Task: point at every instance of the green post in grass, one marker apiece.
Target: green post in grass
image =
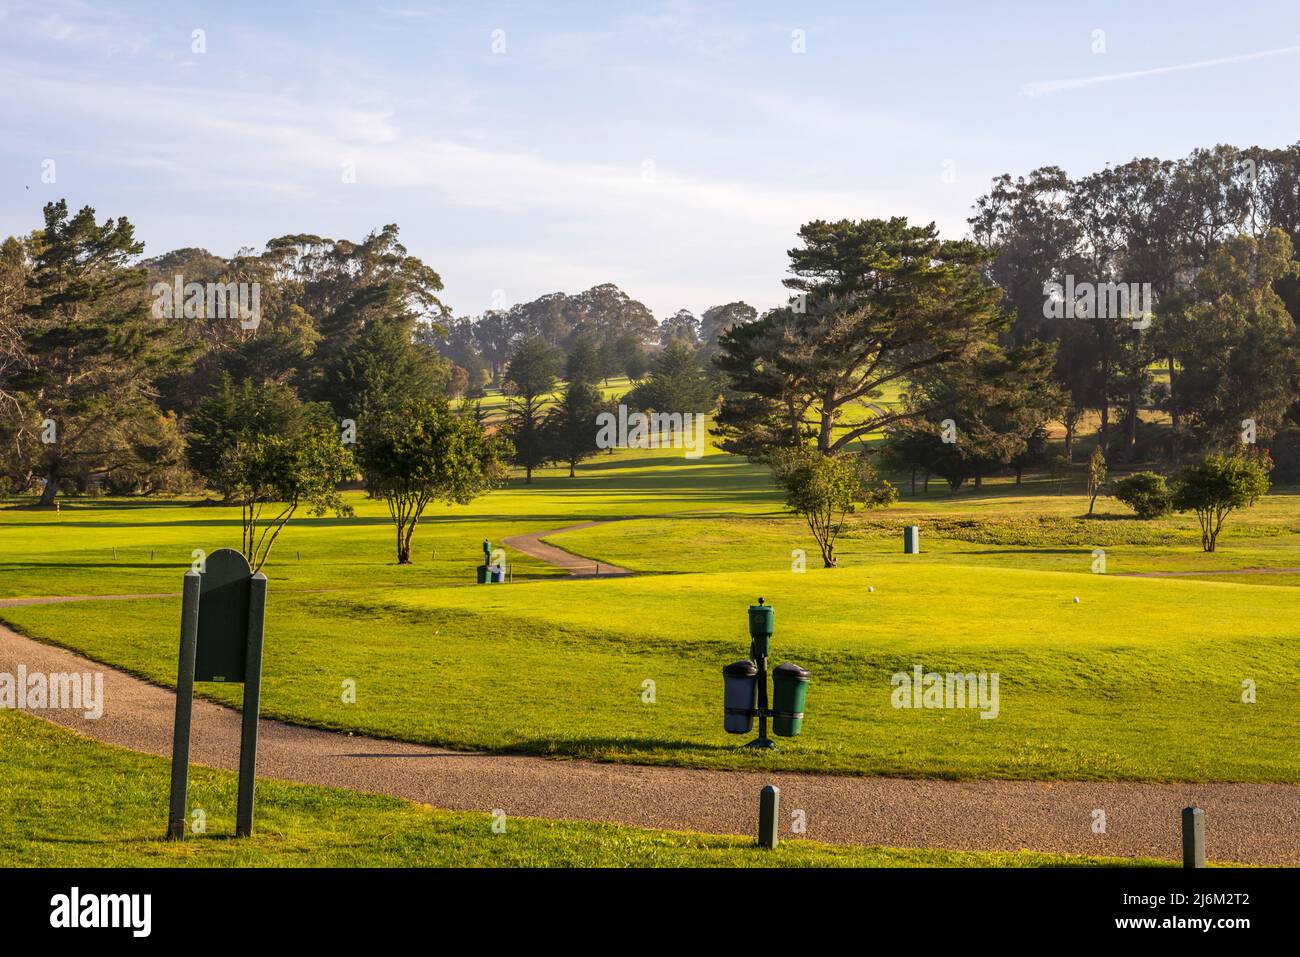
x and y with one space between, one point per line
184 706
1193 837
252 705
769 813
761 625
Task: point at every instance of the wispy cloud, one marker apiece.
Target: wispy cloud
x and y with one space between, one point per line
1059 86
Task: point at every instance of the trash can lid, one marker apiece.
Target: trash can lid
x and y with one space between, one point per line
740 669
791 672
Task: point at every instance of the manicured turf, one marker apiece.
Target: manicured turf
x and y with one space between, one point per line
106 807
1142 679
495 403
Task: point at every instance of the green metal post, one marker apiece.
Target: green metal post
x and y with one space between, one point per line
252 704
184 705
1193 837
769 813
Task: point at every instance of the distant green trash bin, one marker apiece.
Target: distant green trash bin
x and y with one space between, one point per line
761 624
739 693
789 692
498 573
911 540
483 574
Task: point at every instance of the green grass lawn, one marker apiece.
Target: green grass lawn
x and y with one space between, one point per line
101 806
495 402
1140 680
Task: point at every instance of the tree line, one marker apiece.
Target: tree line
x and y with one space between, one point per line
1158 296
1066 300
108 379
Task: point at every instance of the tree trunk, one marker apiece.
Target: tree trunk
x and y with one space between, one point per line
1173 397
913 479
51 489
1130 428
571 472
824 431
403 548
528 475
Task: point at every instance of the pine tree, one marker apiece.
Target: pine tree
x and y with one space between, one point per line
95 347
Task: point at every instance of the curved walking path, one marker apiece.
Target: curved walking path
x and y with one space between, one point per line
575 565
1248 823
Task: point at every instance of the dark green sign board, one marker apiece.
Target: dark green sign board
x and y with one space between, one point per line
223 617
223 611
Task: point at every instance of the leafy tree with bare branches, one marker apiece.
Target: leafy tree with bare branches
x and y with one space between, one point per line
825 487
270 476
423 451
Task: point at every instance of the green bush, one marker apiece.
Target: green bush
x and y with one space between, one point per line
1147 493
1220 485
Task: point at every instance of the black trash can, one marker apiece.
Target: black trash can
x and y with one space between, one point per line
740 691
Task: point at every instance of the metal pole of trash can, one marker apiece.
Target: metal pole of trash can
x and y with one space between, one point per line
1193 837
769 805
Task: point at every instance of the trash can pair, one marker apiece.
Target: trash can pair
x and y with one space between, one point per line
740 693
488 574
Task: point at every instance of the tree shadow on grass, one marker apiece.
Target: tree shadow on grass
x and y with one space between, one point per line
1025 550
584 748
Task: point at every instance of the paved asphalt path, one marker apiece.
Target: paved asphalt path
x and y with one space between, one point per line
575 565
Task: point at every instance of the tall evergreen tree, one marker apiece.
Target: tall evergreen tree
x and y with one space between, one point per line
878 303
95 348
529 376
677 383
570 426
583 363
1238 353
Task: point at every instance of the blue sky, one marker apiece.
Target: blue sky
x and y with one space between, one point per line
673 148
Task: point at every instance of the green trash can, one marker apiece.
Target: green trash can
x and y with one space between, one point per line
911 539
483 574
789 692
498 573
761 621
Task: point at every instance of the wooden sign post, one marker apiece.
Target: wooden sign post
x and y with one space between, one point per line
223 614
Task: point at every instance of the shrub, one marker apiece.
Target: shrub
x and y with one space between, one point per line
1147 493
1220 485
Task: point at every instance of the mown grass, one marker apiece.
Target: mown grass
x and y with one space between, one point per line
1142 679
100 806
1136 681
